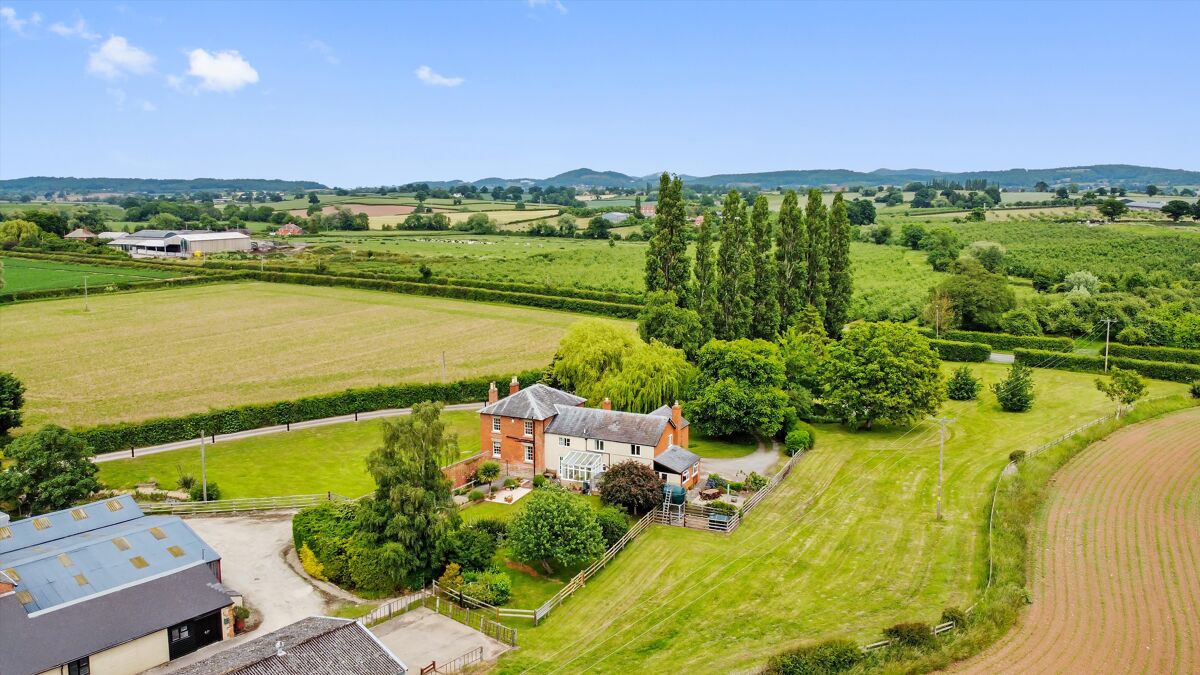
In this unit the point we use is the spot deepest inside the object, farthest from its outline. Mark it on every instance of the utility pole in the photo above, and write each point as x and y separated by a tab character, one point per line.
85	293
443	367
1107	328
942	422
203	469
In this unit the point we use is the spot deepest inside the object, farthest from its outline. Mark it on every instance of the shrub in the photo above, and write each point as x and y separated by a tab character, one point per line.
830	656
952	350
963	385
715	481
756	482
185	481
736	487
613	524
1021	321
1195	389
511	483
493	586
497	529
539	481
798	439
471	547
723	507
631	485
198	491
451	579
475	495
1015	392
956	615
308	560
1132	335
1016	456
374	568
1171	354
912	634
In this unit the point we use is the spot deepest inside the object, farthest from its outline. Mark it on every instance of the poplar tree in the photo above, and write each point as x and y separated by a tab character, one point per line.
764	294
817	284
732	320
706	275
791	257
837	302
667	266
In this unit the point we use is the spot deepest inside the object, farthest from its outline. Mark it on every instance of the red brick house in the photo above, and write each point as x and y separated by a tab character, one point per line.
289	230
541	429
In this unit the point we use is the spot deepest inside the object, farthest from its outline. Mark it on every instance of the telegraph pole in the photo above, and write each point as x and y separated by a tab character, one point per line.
942	422
85	293
1107	327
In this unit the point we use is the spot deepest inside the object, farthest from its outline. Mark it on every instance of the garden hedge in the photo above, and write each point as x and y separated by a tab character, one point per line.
1173	354
1158	370
100	289
126	435
951	350
1006	342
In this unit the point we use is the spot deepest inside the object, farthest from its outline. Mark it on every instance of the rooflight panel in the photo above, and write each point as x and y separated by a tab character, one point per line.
81	580
114	505
64	559
139	562
25	597
79	514
158	533
41	523
5	532
121	543
12	574
176	551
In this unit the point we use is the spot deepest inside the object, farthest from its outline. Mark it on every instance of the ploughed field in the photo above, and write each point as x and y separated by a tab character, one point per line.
845	546
162	353
1116	570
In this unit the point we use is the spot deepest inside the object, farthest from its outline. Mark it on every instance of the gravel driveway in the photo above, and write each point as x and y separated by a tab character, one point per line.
762	461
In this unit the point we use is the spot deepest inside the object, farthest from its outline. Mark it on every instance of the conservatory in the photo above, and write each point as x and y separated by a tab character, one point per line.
581	466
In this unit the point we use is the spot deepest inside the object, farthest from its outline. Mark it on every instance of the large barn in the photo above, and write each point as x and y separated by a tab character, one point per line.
180	243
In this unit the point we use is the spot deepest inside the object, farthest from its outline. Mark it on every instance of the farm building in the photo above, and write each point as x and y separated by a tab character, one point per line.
103	588
289	230
318	645
616	216
79	234
1153	205
112	235
181	243
541	428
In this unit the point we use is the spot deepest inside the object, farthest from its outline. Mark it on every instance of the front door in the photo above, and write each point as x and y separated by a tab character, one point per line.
187	637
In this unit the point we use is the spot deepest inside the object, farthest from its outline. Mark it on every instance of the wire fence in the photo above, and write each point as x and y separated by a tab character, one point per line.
285	502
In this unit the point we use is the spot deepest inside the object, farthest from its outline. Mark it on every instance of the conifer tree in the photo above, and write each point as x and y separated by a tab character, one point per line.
837	302
706	275
817	283
791	257
667	265
734	279
764	294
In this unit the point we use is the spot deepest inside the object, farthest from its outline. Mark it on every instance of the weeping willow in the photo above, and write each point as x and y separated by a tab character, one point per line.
652	375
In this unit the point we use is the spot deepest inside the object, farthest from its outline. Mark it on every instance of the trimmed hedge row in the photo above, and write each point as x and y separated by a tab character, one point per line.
126	435
603	296
1006	342
1173	354
1158	370
951	350
458	292
106	260
154	284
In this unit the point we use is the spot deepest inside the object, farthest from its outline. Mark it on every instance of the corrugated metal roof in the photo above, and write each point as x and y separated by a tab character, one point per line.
535	402
65	523
676	459
608	425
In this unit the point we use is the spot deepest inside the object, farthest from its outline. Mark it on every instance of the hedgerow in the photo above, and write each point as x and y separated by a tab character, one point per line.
126	435
111	287
951	350
1159	370
1004	341
1174	354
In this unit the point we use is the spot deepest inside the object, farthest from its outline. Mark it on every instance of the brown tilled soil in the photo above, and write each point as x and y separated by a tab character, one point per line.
1116	578
369	209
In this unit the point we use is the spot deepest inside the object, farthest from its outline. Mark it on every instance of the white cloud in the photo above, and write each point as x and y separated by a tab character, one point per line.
117	57
16	23
556	4
147	106
78	29
219	71
324	50
426	75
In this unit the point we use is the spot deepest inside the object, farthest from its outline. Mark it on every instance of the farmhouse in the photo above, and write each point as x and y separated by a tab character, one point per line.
103	588
542	429
289	230
181	243
648	210
79	234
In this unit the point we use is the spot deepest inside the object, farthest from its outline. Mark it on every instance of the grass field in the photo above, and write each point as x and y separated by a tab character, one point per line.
845	547
503	218
24	274
184	350
721	447
306	461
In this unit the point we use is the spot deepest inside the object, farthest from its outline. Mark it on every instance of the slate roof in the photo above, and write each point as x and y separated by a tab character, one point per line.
665	411
608	425
535	402
33	644
318	645
676	459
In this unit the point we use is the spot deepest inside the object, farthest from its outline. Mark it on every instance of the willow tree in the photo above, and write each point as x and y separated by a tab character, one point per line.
764	294
734	312
706	275
791	261
841	284
817	272
667	265
651	376
587	352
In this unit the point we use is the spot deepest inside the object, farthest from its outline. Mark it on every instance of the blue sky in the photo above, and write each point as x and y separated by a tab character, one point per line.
364	94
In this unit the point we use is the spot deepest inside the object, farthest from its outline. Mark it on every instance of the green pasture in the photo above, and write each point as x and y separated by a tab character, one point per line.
25	274
847	545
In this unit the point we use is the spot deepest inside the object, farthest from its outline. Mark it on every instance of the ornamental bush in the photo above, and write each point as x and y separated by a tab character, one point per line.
800	439
631	485
1015	392
613	523
962	385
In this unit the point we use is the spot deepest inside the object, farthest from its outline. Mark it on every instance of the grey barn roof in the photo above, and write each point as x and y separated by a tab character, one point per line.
608	425
535	402
49	639
676	459
318	645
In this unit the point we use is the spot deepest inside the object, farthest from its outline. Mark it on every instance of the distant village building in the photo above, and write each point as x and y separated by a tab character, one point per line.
103	588
180	243
1151	205
79	234
289	230
648	210
616	216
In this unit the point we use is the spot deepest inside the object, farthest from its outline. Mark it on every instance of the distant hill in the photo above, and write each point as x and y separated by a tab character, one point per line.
1101	174
43	184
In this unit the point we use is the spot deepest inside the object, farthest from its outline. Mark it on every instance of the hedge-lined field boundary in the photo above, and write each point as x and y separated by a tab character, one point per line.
126	435
951	350
1173	354
1158	370
1004	341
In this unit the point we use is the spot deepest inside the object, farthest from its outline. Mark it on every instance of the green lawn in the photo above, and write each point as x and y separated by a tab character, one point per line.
845	547
306	461
721	447
177	351
24	274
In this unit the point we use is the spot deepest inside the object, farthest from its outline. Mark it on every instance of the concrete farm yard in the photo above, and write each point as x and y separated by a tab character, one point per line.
172	352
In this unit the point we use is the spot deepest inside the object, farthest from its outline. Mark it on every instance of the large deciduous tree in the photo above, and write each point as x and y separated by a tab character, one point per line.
817	267
943	246
765	291
841	283
412	513
651	376
1112	208
667	265
979	298
791	257
555	527
740	389
734	313
882	372
48	470
662	319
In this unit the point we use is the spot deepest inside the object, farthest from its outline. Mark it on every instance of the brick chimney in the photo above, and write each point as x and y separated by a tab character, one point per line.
514	386
493	393
676	415
606	403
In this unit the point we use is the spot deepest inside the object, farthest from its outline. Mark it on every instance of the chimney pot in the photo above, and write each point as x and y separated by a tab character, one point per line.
493	393
606	403
514	386
676	415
